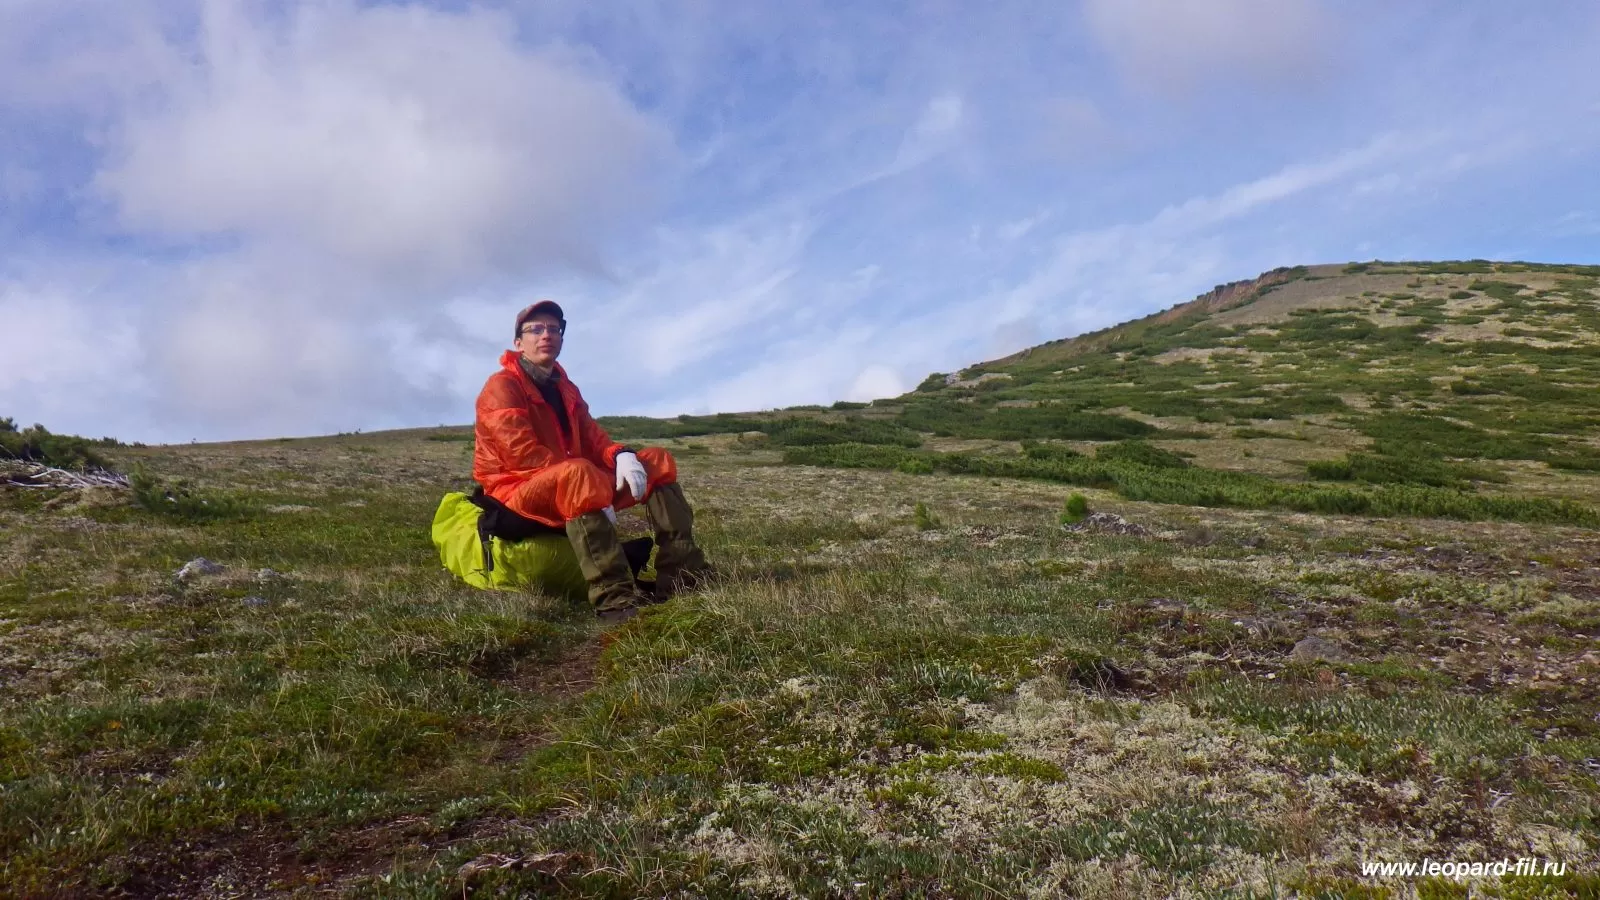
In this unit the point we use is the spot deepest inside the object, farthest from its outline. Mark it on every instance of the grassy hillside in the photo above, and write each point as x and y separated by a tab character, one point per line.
1458	390
1336	599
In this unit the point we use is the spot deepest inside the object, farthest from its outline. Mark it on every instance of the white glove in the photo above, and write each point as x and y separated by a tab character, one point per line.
630	472
611	514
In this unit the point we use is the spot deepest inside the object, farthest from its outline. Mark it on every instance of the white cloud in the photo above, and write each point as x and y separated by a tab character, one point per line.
1019	228
1577	223
1091	278
706	294
876	381
316	177
818	366
1086	279
936	132
1172	44
1010	336
1293	179
933	133
47	335
408	142
86	56
62	353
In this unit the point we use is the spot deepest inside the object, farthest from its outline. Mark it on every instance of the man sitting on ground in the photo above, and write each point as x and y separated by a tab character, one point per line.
541	454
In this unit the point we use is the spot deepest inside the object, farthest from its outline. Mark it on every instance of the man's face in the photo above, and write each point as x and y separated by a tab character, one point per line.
540	340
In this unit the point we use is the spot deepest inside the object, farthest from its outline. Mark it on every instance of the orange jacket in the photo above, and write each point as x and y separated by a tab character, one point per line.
517	432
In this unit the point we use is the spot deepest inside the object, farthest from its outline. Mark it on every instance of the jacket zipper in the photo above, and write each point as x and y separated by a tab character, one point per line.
532	391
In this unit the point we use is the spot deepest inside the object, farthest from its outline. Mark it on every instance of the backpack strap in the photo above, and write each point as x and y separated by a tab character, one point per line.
486	540
501	521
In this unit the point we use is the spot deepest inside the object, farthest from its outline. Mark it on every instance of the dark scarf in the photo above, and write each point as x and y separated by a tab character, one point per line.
549	387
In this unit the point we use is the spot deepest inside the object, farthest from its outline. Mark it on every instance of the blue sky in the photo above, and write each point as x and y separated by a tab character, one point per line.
253	219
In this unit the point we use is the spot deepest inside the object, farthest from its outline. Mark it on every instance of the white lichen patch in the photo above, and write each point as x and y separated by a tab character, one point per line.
41	655
1204	354
1120	788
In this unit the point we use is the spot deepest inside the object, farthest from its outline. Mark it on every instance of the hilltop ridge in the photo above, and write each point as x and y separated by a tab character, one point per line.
1222	297
1339	278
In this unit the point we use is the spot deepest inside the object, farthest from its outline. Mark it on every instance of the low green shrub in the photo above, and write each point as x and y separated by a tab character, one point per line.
638	427
1374	468
1037	450
1504	291
1543	334
1290	407
854	456
790	430
812	432
62	451
1015	423
1325	327
1417	434
1140	453
1076	509
180	501
1575	462
1251	433
1458	267
1196	486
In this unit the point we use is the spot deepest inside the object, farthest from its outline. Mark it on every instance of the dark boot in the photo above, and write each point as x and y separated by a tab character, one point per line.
680	565
605	567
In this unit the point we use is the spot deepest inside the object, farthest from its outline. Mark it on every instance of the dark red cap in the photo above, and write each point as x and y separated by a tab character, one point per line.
546	307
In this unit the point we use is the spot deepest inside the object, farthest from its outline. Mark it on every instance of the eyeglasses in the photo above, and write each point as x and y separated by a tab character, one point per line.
537	330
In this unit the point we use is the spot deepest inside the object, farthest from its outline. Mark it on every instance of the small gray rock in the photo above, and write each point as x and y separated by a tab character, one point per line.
1166	604
267	575
197	566
1252	625
255	602
1108	523
1314	648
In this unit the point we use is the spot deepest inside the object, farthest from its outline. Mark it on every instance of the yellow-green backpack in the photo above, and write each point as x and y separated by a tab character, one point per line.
490	546
544	561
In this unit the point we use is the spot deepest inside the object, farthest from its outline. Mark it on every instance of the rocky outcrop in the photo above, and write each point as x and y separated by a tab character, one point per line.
1220	298
1230	295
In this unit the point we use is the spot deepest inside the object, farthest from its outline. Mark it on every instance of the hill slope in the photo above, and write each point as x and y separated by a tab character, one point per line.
1481	344
1444	389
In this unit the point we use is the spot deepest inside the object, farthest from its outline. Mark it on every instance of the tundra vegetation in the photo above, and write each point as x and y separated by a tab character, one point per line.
1337	600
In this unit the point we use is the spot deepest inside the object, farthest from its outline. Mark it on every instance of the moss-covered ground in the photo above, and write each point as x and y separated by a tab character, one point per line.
913	680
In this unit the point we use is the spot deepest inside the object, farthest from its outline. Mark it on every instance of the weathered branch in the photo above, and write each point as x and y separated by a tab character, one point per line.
37	475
